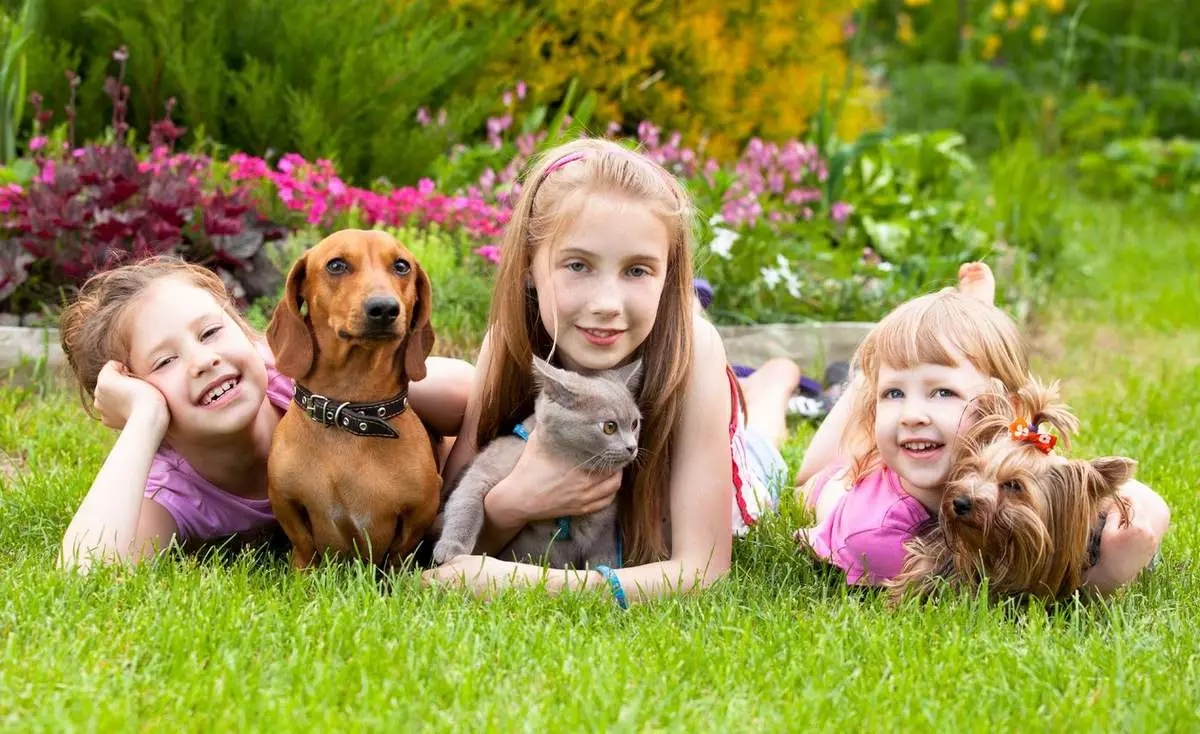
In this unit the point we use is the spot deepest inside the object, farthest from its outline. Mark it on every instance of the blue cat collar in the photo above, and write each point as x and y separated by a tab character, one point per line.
562	528
614	583
564	523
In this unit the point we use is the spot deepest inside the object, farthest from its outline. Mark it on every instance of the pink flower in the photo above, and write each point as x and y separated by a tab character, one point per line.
423	117
507	99
840	211
47	174
521	90
491	253
38	143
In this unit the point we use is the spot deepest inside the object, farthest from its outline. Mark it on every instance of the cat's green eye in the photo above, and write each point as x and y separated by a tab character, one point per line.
610	427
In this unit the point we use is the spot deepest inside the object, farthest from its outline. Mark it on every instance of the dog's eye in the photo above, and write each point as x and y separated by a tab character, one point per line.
401	267
336	266
1011	485
610	427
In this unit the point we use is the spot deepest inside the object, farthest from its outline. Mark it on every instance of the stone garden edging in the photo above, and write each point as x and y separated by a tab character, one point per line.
23	346
821	342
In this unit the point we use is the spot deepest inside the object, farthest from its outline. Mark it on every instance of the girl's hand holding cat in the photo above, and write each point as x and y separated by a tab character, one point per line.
543	486
119	396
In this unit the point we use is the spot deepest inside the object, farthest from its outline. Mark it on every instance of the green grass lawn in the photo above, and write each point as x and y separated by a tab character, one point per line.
243	644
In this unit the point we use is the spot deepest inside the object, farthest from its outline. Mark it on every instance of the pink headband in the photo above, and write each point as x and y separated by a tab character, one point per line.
569	157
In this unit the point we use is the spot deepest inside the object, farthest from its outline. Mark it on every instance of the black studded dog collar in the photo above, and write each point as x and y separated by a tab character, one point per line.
361	419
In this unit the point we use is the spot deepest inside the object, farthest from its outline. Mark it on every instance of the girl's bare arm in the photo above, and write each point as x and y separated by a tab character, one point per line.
1125	551
115	521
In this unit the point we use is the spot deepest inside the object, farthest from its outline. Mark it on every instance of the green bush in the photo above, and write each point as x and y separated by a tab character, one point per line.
981	101
341	80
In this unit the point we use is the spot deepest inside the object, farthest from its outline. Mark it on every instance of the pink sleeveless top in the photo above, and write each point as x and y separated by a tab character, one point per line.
865	533
201	509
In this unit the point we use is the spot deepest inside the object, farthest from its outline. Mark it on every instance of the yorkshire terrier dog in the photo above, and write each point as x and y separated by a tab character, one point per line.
1014	512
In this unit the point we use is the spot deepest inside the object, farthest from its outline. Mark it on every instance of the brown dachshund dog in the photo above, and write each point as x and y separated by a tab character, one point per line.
352	469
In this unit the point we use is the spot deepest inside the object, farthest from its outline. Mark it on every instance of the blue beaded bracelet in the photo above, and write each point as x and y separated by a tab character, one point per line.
614	583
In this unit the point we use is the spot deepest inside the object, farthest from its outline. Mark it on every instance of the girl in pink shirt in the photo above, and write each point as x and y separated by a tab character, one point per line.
160	352
920	369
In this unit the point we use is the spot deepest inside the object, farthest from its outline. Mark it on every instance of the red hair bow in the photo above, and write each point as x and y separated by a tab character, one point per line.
1023	431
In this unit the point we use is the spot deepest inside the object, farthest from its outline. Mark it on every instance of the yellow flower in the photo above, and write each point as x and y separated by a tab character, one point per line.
915	3
904	29
1056	6
1038	34
999	11
1020	9
991	45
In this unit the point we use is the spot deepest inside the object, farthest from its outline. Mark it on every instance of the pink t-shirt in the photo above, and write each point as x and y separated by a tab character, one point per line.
201	509
865	533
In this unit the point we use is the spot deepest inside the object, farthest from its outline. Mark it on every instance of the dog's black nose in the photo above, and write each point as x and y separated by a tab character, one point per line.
381	310
962	505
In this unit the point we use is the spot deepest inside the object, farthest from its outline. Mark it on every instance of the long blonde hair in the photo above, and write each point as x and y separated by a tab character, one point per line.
925	330
540	217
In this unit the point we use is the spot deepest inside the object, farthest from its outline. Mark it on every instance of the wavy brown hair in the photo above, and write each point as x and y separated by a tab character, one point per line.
541	216
95	327
924	331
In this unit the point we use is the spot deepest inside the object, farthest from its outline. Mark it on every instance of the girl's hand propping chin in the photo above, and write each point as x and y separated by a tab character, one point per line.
119	396
544	486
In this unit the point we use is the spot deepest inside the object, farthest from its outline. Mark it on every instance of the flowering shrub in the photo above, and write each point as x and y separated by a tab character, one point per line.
708	68
87	208
787	232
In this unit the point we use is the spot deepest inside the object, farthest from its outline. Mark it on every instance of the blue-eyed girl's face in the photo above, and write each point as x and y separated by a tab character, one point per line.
919	413
600	284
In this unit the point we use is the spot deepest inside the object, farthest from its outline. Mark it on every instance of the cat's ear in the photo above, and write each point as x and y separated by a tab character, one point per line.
630	375
554	382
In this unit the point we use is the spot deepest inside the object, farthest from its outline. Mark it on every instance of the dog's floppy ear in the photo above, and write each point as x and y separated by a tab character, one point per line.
288	334
420	331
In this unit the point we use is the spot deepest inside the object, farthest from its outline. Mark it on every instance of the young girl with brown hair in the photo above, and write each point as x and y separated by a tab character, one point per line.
160	353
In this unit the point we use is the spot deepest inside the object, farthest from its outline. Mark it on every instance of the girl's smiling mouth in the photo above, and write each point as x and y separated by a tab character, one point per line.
219	392
601	337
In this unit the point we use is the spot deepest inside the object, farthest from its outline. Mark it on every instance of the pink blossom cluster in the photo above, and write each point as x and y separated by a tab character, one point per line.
315	190
780	182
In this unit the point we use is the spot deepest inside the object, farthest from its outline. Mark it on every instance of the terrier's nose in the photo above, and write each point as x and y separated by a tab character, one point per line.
962	505
381	310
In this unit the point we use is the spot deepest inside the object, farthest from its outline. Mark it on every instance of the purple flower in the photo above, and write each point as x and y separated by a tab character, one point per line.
840	211
423	117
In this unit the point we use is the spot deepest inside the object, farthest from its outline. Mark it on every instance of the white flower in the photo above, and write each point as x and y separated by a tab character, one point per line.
886	267
722	241
782	273
716	219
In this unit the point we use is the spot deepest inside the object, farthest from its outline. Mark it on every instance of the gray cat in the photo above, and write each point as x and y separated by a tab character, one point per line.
592	421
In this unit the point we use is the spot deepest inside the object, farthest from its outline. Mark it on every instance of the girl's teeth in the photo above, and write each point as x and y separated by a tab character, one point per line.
219	391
